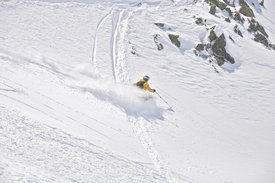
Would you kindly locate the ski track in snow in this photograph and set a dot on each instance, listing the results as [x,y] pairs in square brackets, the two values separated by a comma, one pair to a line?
[100,23]
[33,152]
[122,73]
[115,23]
[141,132]
[119,27]
[117,64]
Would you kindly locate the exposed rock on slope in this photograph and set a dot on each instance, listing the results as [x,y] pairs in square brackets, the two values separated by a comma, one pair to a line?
[239,12]
[245,9]
[220,52]
[174,39]
[159,45]
[216,47]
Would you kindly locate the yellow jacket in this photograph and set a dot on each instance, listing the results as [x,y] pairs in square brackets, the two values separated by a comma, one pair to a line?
[145,86]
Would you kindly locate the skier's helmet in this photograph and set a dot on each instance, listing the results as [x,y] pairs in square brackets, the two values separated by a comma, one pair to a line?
[146,78]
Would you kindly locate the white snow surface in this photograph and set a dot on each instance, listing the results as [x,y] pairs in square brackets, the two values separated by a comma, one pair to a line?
[69,112]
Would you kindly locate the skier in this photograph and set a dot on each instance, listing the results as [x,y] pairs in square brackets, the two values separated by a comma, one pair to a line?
[143,83]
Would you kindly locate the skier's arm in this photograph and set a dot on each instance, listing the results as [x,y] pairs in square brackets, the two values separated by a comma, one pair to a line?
[147,87]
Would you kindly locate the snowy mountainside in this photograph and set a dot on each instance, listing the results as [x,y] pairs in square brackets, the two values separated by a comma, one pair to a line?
[69,112]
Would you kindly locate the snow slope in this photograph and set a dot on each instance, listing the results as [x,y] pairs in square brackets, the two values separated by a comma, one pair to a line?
[68,111]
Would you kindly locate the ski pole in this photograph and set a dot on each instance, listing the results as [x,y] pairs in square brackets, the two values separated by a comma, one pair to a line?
[164,100]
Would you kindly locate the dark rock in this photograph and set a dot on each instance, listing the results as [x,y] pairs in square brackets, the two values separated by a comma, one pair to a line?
[159,45]
[218,3]
[261,39]
[219,49]
[219,44]
[174,39]
[262,3]
[229,3]
[221,5]
[226,2]
[229,11]
[133,51]
[199,21]
[237,30]
[245,9]
[208,46]
[228,20]
[220,60]
[212,36]
[160,25]
[230,58]
[231,39]
[238,17]
[255,26]
[212,9]
[200,47]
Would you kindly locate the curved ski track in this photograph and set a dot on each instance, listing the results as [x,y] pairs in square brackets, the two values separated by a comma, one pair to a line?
[117,46]
[94,61]
[120,19]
